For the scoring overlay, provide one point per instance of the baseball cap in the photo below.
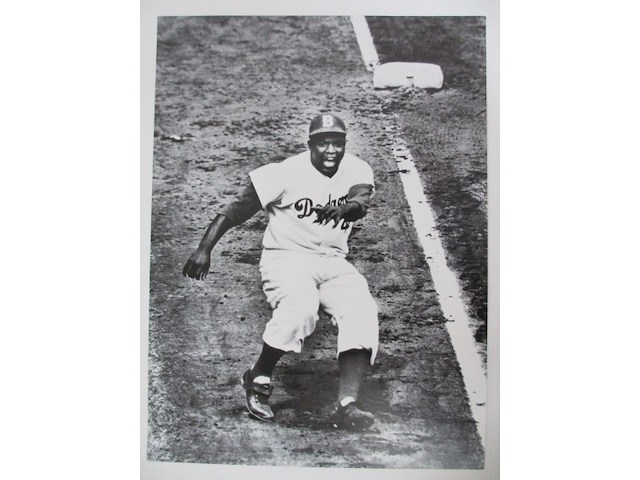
(327, 123)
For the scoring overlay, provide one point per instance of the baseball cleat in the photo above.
(350, 417)
(257, 398)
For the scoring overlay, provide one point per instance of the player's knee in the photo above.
(371, 308)
(360, 321)
(368, 313)
(371, 326)
(370, 321)
(305, 311)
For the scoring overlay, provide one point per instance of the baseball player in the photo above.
(311, 200)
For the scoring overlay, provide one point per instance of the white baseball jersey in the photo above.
(289, 189)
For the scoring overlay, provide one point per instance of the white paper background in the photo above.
(71, 240)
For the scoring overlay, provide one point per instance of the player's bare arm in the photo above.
(358, 201)
(198, 264)
(243, 207)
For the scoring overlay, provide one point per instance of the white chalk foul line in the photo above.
(365, 42)
(444, 280)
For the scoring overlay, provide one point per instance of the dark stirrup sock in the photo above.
(353, 365)
(267, 361)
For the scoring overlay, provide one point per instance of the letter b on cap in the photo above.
(326, 123)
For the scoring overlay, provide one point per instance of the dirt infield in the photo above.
(236, 93)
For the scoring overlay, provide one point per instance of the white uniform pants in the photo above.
(297, 285)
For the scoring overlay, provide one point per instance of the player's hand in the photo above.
(198, 265)
(329, 213)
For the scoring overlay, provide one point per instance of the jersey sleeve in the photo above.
(364, 174)
(269, 183)
(367, 175)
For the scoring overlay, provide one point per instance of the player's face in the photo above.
(327, 152)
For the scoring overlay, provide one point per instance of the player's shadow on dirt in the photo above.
(306, 384)
(308, 391)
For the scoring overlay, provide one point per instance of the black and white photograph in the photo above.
(318, 290)
(338, 239)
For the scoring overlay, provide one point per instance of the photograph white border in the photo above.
(150, 11)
